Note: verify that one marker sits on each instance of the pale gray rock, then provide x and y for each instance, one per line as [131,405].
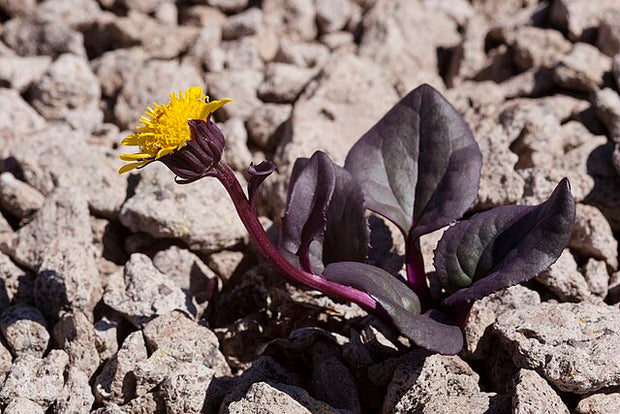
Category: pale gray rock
[534,395]
[541,181]
[16,284]
[184,389]
[22,405]
[42,380]
[599,404]
[573,345]
[291,19]
[17,197]
[577,17]
[141,292]
[534,47]
[142,6]
[59,157]
[333,15]
[616,70]
[595,273]
[540,140]
[74,333]
[154,81]
[228,6]
[225,262]
[72,13]
[339,40]
[302,54]
[116,383]
[470,56]
[15,8]
[459,10]
[582,69]
[200,213]
[608,40]
[284,82]
[241,87]
[114,66]
[106,332]
[236,155]
[76,396]
[20,72]
[266,126]
[593,237]
[17,117]
[68,279]
[565,280]
[280,399]
[25,330]
[6,360]
[424,383]
[607,105]
[167,13]
[246,23]
[69,91]
[32,37]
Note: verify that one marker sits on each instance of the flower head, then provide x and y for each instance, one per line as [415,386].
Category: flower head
[165,128]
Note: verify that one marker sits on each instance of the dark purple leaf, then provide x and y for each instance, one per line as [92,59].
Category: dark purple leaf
[419,166]
[431,330]
[504,246]
[258,174]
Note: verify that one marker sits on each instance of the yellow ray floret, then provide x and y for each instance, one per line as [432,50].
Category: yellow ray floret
[164,127]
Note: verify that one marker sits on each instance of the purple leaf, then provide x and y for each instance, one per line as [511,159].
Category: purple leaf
[503,246]
[258,174]
[431,330]
[419,166]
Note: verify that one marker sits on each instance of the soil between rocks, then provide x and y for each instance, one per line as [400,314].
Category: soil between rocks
[131,294]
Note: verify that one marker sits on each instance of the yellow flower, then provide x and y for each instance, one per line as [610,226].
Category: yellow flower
[165,128]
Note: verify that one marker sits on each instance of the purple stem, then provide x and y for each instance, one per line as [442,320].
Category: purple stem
[247,213]
[415,273]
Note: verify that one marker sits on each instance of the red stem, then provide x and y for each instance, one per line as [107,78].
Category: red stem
[415,273]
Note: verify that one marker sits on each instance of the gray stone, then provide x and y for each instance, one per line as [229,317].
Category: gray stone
[14,8]
[573,345]
[76,396]
[16,285]
[6,360]
[333,15]
[291,19]
[41,380]
[541,181]
[142,292]
[564,279]
[236,155]
[267,124]
[607,105]
[577,17]
[68,279]
[20,72]
[608,40]
[246,23]
[284,82]
[616,70]
[162,208]
[142,6]
[582,69]
[17,197]
[242,342]
[69,91]
[239,85]
[25,330]
[339,40]
[228,6]
[225,262]
[32,37]
[22,405]
[114,66]
[592,236]
[75,334]
[534,395]
[72,13]
[116,382]
[152,82]
[332,382]
[106,331]
[599,404]
[302,54]
[595,273]
[17,117]
[184,389]
[534,47]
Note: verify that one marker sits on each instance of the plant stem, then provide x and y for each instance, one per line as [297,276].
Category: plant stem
[247,214]
[415,273]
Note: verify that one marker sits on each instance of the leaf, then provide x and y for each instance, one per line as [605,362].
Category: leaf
[431,330]
[419,166]
[504,246]
[257,174]
[324,220]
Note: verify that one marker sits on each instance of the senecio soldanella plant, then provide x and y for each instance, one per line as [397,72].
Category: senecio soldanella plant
[418,167]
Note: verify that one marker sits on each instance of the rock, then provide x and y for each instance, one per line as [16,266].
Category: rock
[332,16]
[32,37]
[332,382]
[241,342]
[533,394]
[72,13]
[595,274]
[68,279]
[152,82]
[578,17]
[20,72]
[266,126]
[284,82]
[69,91]
[573,345]
[302,54]
[162,208]
[76,395]
[225,262]
[41,380]
[142,6]
[106,332]
[592,236]
[280,398]
[291,19]
[142,292]
[14,8]
[534,47]
[540,183]
[564,279]
[17,117]
[25,331]
[17,285]
[17,197]
[236,155]
[607,105]
[74,333]
[21,405]
[47,163]
[616,70]
[113,67]
[184,389]
[228,6]
[438,384]
[184,340]
[608,40]
[6,361]
[246,23]
[241,86]
[116,382]
[339,40]
[599,404]
[582,69]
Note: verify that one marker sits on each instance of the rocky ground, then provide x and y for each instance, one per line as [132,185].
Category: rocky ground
[131,294]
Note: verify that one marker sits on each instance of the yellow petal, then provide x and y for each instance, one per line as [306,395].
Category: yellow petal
[164,151]
[212,107]
[132,140]
[133,165]
[134,157]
